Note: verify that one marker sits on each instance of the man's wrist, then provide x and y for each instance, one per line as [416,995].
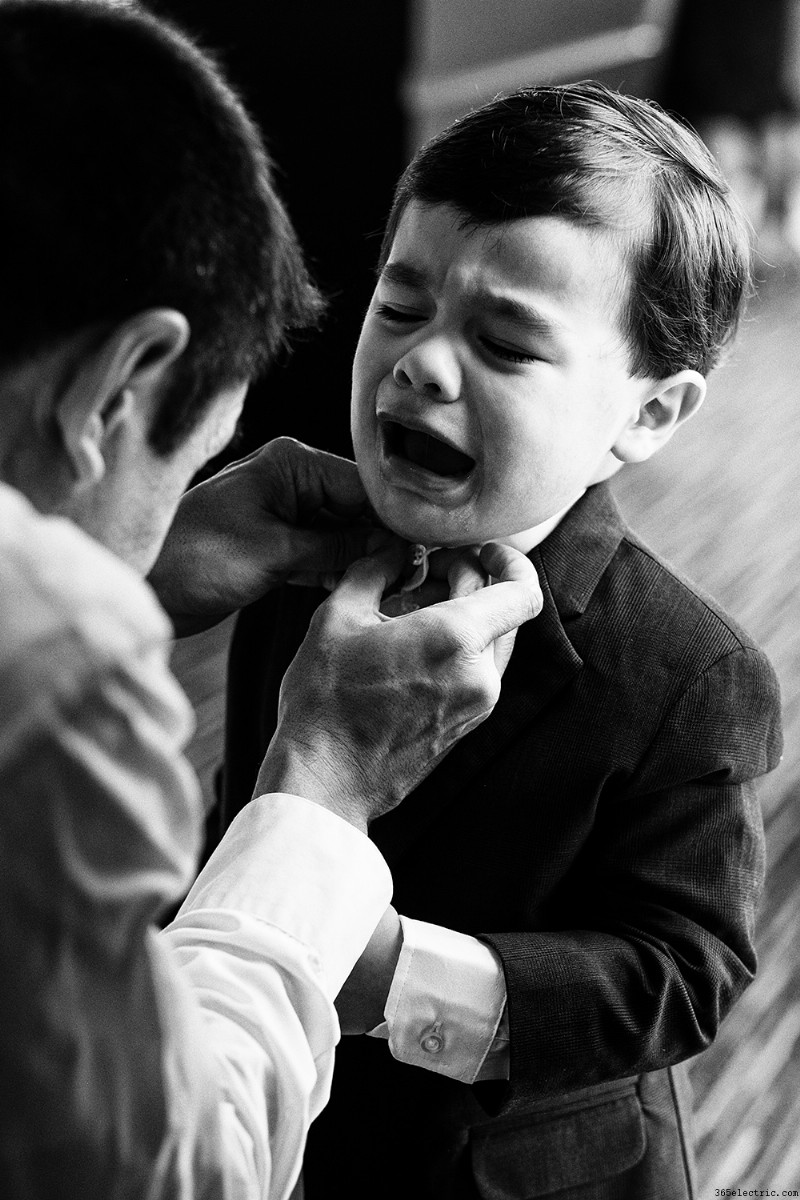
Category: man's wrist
[315,772]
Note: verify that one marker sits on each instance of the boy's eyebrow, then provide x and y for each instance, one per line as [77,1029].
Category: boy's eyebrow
[403,274]
[524,315]
[528,318]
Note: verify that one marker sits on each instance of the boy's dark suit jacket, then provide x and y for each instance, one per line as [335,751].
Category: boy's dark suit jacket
[604,821]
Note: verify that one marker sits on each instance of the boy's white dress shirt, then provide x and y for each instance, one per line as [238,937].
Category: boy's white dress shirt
[181,1064]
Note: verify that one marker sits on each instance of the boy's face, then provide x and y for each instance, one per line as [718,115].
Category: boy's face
[490,380]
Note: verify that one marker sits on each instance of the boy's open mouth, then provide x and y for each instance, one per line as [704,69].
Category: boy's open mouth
[424,450]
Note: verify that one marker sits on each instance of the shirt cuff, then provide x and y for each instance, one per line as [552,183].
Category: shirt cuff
[445,1005]
[305,871]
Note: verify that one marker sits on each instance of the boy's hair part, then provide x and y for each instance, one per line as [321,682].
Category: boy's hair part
[133,178]
[618,164]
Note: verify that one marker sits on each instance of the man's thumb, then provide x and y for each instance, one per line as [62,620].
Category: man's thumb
[364,582]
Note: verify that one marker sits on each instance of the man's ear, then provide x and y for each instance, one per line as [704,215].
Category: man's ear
[118,380]
[666,405]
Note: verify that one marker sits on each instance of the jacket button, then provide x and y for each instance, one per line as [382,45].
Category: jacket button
[432,1043]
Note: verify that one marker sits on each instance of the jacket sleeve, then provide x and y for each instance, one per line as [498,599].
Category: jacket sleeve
[654,940]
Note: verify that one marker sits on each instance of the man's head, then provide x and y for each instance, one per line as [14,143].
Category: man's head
[146,257]
[594,211]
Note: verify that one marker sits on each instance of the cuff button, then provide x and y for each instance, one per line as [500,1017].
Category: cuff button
[431,1042]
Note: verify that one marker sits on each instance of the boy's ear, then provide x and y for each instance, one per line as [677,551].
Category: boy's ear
[117,380]
[667,404]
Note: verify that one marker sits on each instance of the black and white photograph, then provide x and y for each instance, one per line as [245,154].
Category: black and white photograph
[399,599]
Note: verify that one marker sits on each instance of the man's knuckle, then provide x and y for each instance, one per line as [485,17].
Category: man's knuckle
[485,690]
[458,636]
[492,690]
[326,625]
[285,444]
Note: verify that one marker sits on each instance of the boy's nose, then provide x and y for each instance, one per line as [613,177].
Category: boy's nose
[430,369]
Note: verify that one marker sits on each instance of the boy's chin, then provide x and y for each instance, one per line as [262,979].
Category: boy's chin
[426,529]
[429,535]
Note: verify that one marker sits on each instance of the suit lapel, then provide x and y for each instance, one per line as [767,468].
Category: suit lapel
[570,563]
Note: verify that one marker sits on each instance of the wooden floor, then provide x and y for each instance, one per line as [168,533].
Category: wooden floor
[721,501]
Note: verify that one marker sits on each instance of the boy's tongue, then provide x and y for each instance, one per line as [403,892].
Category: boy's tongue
[428,452]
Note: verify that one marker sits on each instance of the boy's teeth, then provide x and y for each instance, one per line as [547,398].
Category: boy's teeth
[428,452]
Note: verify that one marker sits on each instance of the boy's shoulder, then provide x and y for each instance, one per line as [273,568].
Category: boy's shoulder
[603,575]
[654,651]
[675,601]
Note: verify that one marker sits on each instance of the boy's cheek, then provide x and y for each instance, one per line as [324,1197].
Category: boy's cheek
[364,434]
[369,367]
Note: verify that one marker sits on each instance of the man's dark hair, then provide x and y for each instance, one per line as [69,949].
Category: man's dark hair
[615,163]
[131,178]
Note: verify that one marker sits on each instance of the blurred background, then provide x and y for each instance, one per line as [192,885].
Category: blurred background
[344,93]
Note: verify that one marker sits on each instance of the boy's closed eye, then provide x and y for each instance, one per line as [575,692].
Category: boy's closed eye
[403,316]
[509,354]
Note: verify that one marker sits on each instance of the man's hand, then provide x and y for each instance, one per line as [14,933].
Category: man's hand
[370,705]
[286,513]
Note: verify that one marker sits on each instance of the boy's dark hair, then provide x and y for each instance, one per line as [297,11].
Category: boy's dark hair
[131,178]
[611,162]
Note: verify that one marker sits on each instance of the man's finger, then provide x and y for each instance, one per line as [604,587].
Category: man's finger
[497,610]
[325,480]
[364,582]
[502,650]
[441,561]
[466,576]
[504,564]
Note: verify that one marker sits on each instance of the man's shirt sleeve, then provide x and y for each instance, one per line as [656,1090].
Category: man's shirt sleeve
[186,1063]
[265,940]
[445,1010]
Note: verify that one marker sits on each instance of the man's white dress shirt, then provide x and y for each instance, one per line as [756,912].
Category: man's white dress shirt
[133,1063]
